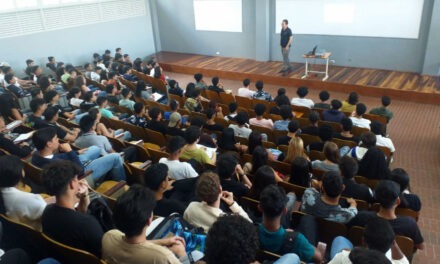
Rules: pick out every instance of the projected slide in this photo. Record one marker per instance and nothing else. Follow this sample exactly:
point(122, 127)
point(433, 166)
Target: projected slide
point(218, 15)
point(369, 18)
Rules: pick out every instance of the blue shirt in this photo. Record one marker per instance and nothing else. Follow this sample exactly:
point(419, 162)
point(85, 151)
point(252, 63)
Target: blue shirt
point(281, 125)
point(272, 241)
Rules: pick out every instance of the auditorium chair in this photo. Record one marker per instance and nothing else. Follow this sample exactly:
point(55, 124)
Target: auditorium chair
point(336, 126)
point(284, 149)
point(117, 144)
point(316, 155)
point(244, 102)
point(211, 95)
point(227, 98)
point(127, 83)
point(156, 155)
point(308, 139)
point(264, 130)
point(341, 143)
point(302, 109)
point(281, 167)
point(156, 137)
point(399, 211)
point(67, 123)
point(303, 121)
point(372, 183)
point(358, 131)
point(297, 189)
point(179, 99)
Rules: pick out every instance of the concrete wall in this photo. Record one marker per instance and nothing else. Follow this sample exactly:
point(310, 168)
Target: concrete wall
point(176, 32)
point(77, 45)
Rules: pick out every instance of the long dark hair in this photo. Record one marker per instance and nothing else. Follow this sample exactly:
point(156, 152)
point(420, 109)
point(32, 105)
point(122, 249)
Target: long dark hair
point(227, 139)
point(140, 86)
point(300, 172)
point(255, 140)
point(259, 158)
point(157, 72)
point(10, 174)
point(7, 103)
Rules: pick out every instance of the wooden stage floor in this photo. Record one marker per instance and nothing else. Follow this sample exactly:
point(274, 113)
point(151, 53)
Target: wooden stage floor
point(398, 85)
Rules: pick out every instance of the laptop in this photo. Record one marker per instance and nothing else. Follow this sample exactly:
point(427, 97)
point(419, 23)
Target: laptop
point(312, 52)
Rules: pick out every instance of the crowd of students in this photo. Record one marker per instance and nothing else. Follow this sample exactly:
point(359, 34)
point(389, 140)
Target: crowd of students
point(204, 187)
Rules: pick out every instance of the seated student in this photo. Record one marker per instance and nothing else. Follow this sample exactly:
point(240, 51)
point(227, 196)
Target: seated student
point(205, 139)
point(140, 117)
point(349, 168)
point(156, 179)
point(10, 109)
point(387, 195)
point(51, 118)
point(378, 236)
point(192, 151)
point(286, 114)
point(216, 85)
point(346, 134)
point(126, 74)
point(227, 142)
point(381, 140)
point(21, 150)
point(331, 153)
point(62, 221)
point(333, 114)
point(357, 118)
point(241, 129)
point(126, 101)
point(326, 204)
point(36, 119)
point(89, 102)
point(245, 91)
point(349, 105)
point(273, 236)
point(232, 177)
point(325, 134)
point(101, 129)
point(133, 213)
point(24, 207)
point(232, 111)
point(174, 88)
point(141, 90)
point(232, 239)
point(367, 141)
point(178, 170)
point(174, 106)
point(52, 98)
point(383, 110)
point(281, 98)
point(193, 98)
point(112, 94)
point(102, 103)
point(52, 64)
point(301, 173)
point(158, 74)
point(36, 93)
point(301, 100)
point(323, 96)
point(260, 94)
point(46, 143)
point(295, 149)
point(407, 199)
point(312, 128)
point(174, 126)
point(218, 110)
point(200, 83)
point(12, 87)
point(210, 124)
point(155, 123)
point(373, 164)
point(292, 131)
point(259, 120)
point(209, 191)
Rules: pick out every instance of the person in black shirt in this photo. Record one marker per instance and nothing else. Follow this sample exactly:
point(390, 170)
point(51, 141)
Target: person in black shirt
point(325, 134)
point(35, 120)
point(175, 124)
point(174, 88)
point(111, 91)
point(210, 124)
point(285, 42)
point(156, 178)
point(407, 199)
point(51, 118)
point(216, 86)
point(232, 177)
point(349, 168)
point(21, 150)
point(346, 134)
point(293, 130)
point(312, 129)
point(155, 123)
point(89, 102)
point(61, 221)
point(52, 97)
point(52, 64)
point(323, 96)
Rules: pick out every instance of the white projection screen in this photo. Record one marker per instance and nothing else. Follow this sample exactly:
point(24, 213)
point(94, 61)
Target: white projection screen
point(218, 15)
point(367, 18)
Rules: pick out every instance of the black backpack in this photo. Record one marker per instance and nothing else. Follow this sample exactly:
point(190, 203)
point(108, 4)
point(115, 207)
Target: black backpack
point(98, 208)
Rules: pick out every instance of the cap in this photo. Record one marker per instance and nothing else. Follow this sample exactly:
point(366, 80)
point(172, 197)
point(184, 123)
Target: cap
point(174, 119)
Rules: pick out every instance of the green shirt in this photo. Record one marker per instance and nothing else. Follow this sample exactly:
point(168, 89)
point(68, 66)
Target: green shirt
point(272, 241)
point(383, 111)
point(65, 78)
point(198, 154)
point(127, 103)
point(106, 113)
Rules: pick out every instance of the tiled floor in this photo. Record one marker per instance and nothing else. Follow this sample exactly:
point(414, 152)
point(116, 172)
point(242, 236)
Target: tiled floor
point(415, 131)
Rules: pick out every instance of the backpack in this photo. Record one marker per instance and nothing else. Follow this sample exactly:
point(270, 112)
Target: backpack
point(98, 208)
point(288, 242)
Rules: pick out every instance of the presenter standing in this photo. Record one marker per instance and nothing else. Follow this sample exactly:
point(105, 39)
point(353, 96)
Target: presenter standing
point(286, 41)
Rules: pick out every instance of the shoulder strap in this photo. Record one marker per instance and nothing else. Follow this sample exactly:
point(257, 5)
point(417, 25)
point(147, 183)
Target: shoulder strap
point(288, 242)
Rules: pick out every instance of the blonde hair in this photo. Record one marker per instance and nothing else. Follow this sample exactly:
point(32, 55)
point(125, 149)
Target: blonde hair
point(295, 149)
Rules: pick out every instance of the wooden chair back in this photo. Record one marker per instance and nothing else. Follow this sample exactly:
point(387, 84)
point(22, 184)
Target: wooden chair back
point(277, 134)
point(33, 172)
point(316, 155)
point(179, 99)
point(222, 122)
point(369, 182)
point(130, 85)
point(249, 203)
point(156, 155)
point(317, 174)
point(358, 131)
point(117, 144)
point(308, 139)
point(281, 167)
point(244, 102)
point(264, 130)
point(288, 187)
point(142, 153)
point(303, 121)
point(67, 123)
point(137, 174)
point(302, 109)
point(156, 137)
point(227, 98)
point(341, 143)
point(269, 144)
point(211, 95)
point(284, 149)
point(328, 230)
point(336, 126)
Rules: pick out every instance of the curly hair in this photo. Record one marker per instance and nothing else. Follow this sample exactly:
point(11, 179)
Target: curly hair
point(208, 187)
point(232, 240)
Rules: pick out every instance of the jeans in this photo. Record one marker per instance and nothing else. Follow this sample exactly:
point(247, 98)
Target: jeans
point(339, 243)
point(286, 62)
point(78, 116)
point(102, 165)
point(290, 258)
point(127, 135)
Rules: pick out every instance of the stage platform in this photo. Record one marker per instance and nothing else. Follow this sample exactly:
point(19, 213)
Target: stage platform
point(372, 82)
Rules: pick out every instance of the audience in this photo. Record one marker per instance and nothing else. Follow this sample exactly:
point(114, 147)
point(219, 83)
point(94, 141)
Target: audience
point(174, 126)
point(325, 134)
point(407, 199)
point(301, 100)
point(133, 213)
point(349, 105)
point(193, 99)
point(333, 114)
point(295, 149)
point(216, 85)
point(313, 128)
point(38, 107)
point(52, 99)
point(245, 91)
point(178, 170)
point(200, 83)
point(141, 90)
point(174, 88)
point(12, 87)
point(232, 177)
point(292, 131)
point(357, 118)
point(281, 98)
point(9, 108)
point(51, 118)
point(210, 124)
point(241, 129)
point(259, 120)
point(323, 96)
point(155, 123)
point(89, 102)
point(140, 116)
point(102, 102)
point(349, 168)
point(21, 150)
point(383, 110)
point(227, 142)
point(192, 151)
point(325, 204)
point(373, 164)
point(232, 112)
point(331, 153)
point(260, 94)
point(126, 101)
point(377, 129)
point(208, 189)
point(286, 115)
point(301, 172)
point(346, 134)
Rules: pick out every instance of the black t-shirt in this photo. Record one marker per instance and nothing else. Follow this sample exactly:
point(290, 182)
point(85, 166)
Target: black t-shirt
point(216, 89)
point(318, 146)
point(310, 130)
point(165, 207)
point(354, 138)
point(410, 201)
point(14, 149)
point(112, 99)
point(72, 228)
point(35, 122)
point(60, 132)
point(283, 140)
point(215, 127)
point(285, 36)
point(85, 106)
point(237, 188)
point(357, 191)
point(157, 126)
point(174, 131)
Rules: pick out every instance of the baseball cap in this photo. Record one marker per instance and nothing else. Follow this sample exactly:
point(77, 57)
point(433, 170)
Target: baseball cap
point(174, 119)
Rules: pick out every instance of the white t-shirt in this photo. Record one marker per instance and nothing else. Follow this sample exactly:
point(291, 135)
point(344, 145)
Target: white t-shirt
point(95, 77)
point(245, 92)
point(75, 101)
point(385, 142)
point(24, 207)
point(179, 170)
point(360, 122)
point(152, 72)
point(343, 258)
point(302, 102)
point(241, 131)
point(102, 66)
point(262, 122)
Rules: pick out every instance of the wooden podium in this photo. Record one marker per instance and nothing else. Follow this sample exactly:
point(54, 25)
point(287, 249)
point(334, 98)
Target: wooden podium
point(325, 56)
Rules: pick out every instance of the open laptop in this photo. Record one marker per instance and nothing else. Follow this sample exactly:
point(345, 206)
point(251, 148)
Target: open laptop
point(312, 52)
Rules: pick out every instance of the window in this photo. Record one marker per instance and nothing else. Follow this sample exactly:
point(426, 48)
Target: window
point(218, 15)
